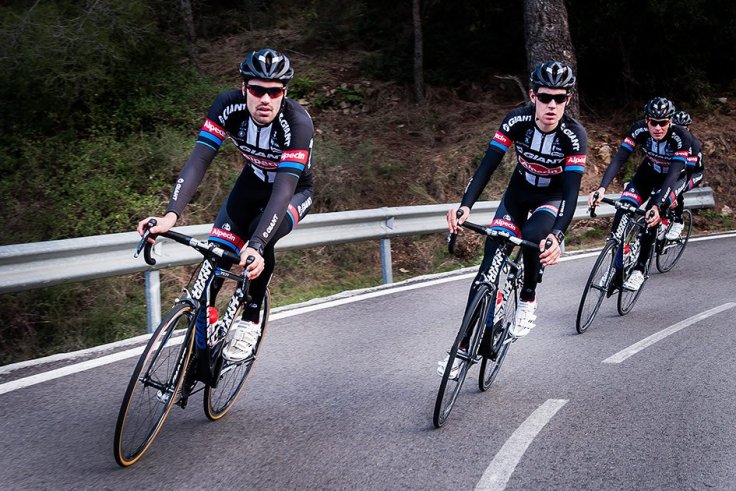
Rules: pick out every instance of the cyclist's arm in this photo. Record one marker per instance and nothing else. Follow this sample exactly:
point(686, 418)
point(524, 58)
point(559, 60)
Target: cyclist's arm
point(676, 167)
point(483, 173)
point(190, 177)
point(623, 153)
point(295, 161)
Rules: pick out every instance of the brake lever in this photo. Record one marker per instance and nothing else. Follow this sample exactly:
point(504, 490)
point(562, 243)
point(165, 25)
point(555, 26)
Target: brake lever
point(547, 245)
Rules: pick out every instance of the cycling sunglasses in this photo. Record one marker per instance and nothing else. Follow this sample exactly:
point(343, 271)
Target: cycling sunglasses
point(545, 98)
point(658, 122)
point(259, 91)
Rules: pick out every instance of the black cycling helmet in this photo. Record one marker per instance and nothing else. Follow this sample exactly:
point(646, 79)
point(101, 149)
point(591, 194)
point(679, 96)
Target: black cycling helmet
point(682, 118)
point(552, 74)
point(659, 108)
point(267, 64)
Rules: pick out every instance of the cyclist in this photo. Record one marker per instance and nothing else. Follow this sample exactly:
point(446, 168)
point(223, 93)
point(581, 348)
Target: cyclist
point(272, 193)
point(666, 148)
point(689, 179)
point(551, 151)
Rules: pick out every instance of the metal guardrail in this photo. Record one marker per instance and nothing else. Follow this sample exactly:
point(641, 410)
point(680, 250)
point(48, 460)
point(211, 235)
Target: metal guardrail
point(42, 264)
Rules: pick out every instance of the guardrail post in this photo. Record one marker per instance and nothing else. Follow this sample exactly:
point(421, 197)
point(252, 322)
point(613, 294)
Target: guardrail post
point(153, 299)
point(386, 267)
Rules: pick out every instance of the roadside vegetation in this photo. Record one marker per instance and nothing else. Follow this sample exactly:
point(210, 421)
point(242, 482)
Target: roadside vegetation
point(102, 102)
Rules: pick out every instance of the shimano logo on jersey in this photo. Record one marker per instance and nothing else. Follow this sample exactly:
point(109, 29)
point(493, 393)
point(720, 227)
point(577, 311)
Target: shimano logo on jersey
point(270, 226)
point(677, 139)
point(303, 207)
point(573, 138)
point(516, 119)
point(287, 129)
point(179, 182)
point(231, 109)
point(201, 282)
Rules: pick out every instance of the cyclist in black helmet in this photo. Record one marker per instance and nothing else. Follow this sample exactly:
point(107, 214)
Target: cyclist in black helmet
point(274, 190)
point(690, 178)
point(540, 200)
point(666, 148)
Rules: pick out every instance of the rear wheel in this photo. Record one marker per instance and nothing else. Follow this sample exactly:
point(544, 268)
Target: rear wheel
point(219, 400)
point(595, 289)
point(473, 323)
point(670, 251)
point(154, 386)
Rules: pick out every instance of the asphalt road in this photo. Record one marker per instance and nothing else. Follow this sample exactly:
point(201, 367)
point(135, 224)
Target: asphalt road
point(342, 398)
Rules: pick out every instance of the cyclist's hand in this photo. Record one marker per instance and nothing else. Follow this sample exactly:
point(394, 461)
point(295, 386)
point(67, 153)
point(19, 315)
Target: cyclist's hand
point(453, 222)
point(551, 255)
point(256, 267)
point(652, 217)
point(592, 201)
point(163, 224)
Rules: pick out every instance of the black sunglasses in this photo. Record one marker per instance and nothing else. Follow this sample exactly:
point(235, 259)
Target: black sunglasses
point(658, 122)
point(546, 98)
point(259, 91)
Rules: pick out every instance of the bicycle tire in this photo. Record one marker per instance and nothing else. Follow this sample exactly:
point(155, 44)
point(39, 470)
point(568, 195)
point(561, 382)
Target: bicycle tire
point(670, 251)
point(596, 287)
point(150, 395)
point(627, 298)
point(450, 388)
point(500, 343)
point(219, 400)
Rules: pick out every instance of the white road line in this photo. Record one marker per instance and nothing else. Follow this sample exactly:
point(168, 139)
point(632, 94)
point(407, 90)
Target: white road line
point(497, 475)
point(311, 306)
point(68, 370)
point(648, 341)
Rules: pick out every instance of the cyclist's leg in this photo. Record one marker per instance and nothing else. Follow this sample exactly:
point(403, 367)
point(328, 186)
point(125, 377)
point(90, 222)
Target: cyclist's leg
point(537, 227)
point(299, 206)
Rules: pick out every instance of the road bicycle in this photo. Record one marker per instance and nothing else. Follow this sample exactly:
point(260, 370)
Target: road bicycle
point(487, 321)
point(184, 354)
point(620, 254)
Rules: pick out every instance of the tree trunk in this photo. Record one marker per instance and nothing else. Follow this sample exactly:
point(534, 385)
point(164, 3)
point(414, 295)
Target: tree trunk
point(547, 36)
point(418, 53)
point(187, 16)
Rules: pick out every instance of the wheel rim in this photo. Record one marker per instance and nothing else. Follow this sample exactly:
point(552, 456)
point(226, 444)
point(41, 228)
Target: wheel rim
point(596, 288)
point(150, 397)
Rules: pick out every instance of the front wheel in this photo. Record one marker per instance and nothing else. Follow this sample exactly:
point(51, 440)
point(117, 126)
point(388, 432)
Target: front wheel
point(597, 286)
point(631, 250)
point(220, 399)
point(154, 386)
point(473, 324)
point(501, 337)
point(670, 251)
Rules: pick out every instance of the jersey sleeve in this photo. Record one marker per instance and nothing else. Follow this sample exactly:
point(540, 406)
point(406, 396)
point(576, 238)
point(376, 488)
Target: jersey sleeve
point(209, 140)
point(497, 148)
point(575, 160)
point(625, 150)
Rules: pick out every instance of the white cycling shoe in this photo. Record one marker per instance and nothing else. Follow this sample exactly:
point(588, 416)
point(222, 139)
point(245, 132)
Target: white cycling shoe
point(675, 230)
point(634, 281)
point(243, 341)
point(525, 318)
point(456, 365)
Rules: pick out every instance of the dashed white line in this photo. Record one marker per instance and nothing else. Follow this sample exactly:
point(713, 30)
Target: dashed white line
point(658, 336)
point(498, 472)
